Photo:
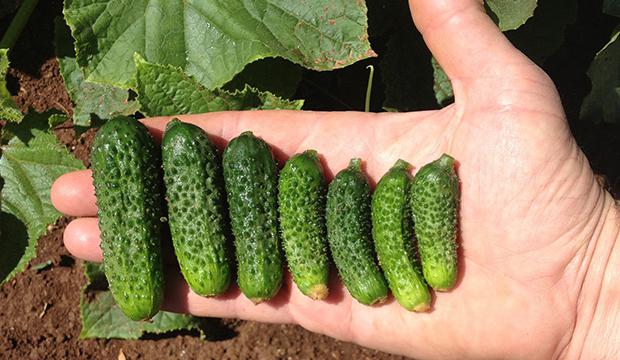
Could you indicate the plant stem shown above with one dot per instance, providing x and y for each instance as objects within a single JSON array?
[
  {"x": 369, "y": 88},
  {"x": 18, "y": 23}
]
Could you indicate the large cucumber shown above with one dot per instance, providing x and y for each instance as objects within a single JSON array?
[
  {"x": 349, "y": 235},
  {"x": 196, "y": 207},
  {"x": 392, "y": 230},
  {"x": 301, "y": 199},
  {"x": 250, "y": 174},
  {"x": 127, "y": 176},
  {"x": 434, "y": 203}
]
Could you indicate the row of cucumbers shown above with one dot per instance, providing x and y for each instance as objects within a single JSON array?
[{"x": 207, "y": 198}]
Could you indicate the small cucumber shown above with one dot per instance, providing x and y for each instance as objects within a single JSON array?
[
  {"x": 196, "y": 207},
  {"x": 392, "y": 230},
  {"x": 301, "y": 201},
  {"x": 126, "y": 168},
  {"x": 349, "y": 235},
  {"x": 434, "y": 204},
  {"x": 250, "y": 174}
]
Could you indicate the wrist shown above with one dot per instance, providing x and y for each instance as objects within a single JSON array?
[{"x": 597, "y": 325}]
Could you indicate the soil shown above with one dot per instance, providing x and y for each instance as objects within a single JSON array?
[{"x": 39, "y": 310}]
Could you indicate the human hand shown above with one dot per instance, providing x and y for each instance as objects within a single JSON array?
[{"x": 536, "y": 229}]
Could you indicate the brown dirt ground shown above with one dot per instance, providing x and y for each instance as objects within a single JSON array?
[{"x": 39, "y": 310}]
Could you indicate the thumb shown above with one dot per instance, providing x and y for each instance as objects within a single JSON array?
[{"x": 465, "y": 41}]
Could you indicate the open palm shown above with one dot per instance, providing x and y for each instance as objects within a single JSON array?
[{"x": 529, "y": 206}]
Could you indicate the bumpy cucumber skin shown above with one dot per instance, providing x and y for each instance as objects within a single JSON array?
[
  {"x": 349, "y": 235},
  {"x": 301, "y": 199},
  {"x": 250, "y": 174},
  {"x": 196, "y": 208},
  {"x": 126, "y": 168},
  {"x": 434, "y": 204},
  {"x": 392, "y": 230}
]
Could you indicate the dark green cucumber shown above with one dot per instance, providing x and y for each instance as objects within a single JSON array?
[
  {"x": 349, "y": 235},
  {"x": 126, "y": 168},
  {"x": 250, "y": 174},
  {"x": 434, "y": 204},
  {"x": 196, "y": 207},
  {"x": 392, "y": 230},
  {"x": 301, "y": 199}
]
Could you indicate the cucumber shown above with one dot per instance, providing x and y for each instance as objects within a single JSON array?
[
  {"x": 301, "y": 200},
  {"x": 126, "y": 169},
  {"x": 250, "y": 174},
  {"x": 349, "y": 235},
  {"x": 434, "y": 204},
  {"x": 196, "y": 208},
  {"x": 392, "y": 230}
]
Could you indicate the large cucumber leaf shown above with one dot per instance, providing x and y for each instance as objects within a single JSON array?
[
  {"x": 603, "y": 102},
  {"x": 611, "y": 7},
  {"x": 89, "y": 99},
  {"x": 214, "y": 40},
  {"x": 28, "y": 170},
  {"x": 8, "y": 109},
  {"x": 511, "y": 14},
  {"x": 102, "y": 318},
  {"x": 167, "y": 90}
]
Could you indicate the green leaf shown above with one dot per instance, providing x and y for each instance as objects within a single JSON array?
[
  {"x": 544, "y": 33},
  {"x": 29, "y": 169},
  {"x": 89, "y": 99},
  {"x": 8, "y": 110},
  {"x": 56, "y": 119},
  {"x": 603, "y": 102},
  {"x": 102, "y": 318},
  {"x": 34, "y": 121},
  {"x": 441, "y": 85},
  {"x": 167, "y": 90},
  {"x": 611, "y": 7},
  {"x": 260, "y": 75},
  {"x": 407, "y": 72},
  {"x": 511, "y": 14},
  {"x": 16, "y": 248},
  {"x": 214, "y": 40}
]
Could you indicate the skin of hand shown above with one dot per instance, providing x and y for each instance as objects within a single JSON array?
[{"x": 538, "y": 233}]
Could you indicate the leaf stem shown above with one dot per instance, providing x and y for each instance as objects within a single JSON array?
[
  {"x": 17, "y": 25},
  {"x": 369, "y": 88}
]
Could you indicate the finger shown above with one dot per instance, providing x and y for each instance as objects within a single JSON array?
[
  {"x": 81, "y": 238},
  {"x": 288, "y": 130},
  {"x": 336, "y": 136},
  {"x": 464, "y": 39},
  {"x": 73, "y": 194},
  {"x": 330, "y": 316},
  {"x": 339, "y": 316}
]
